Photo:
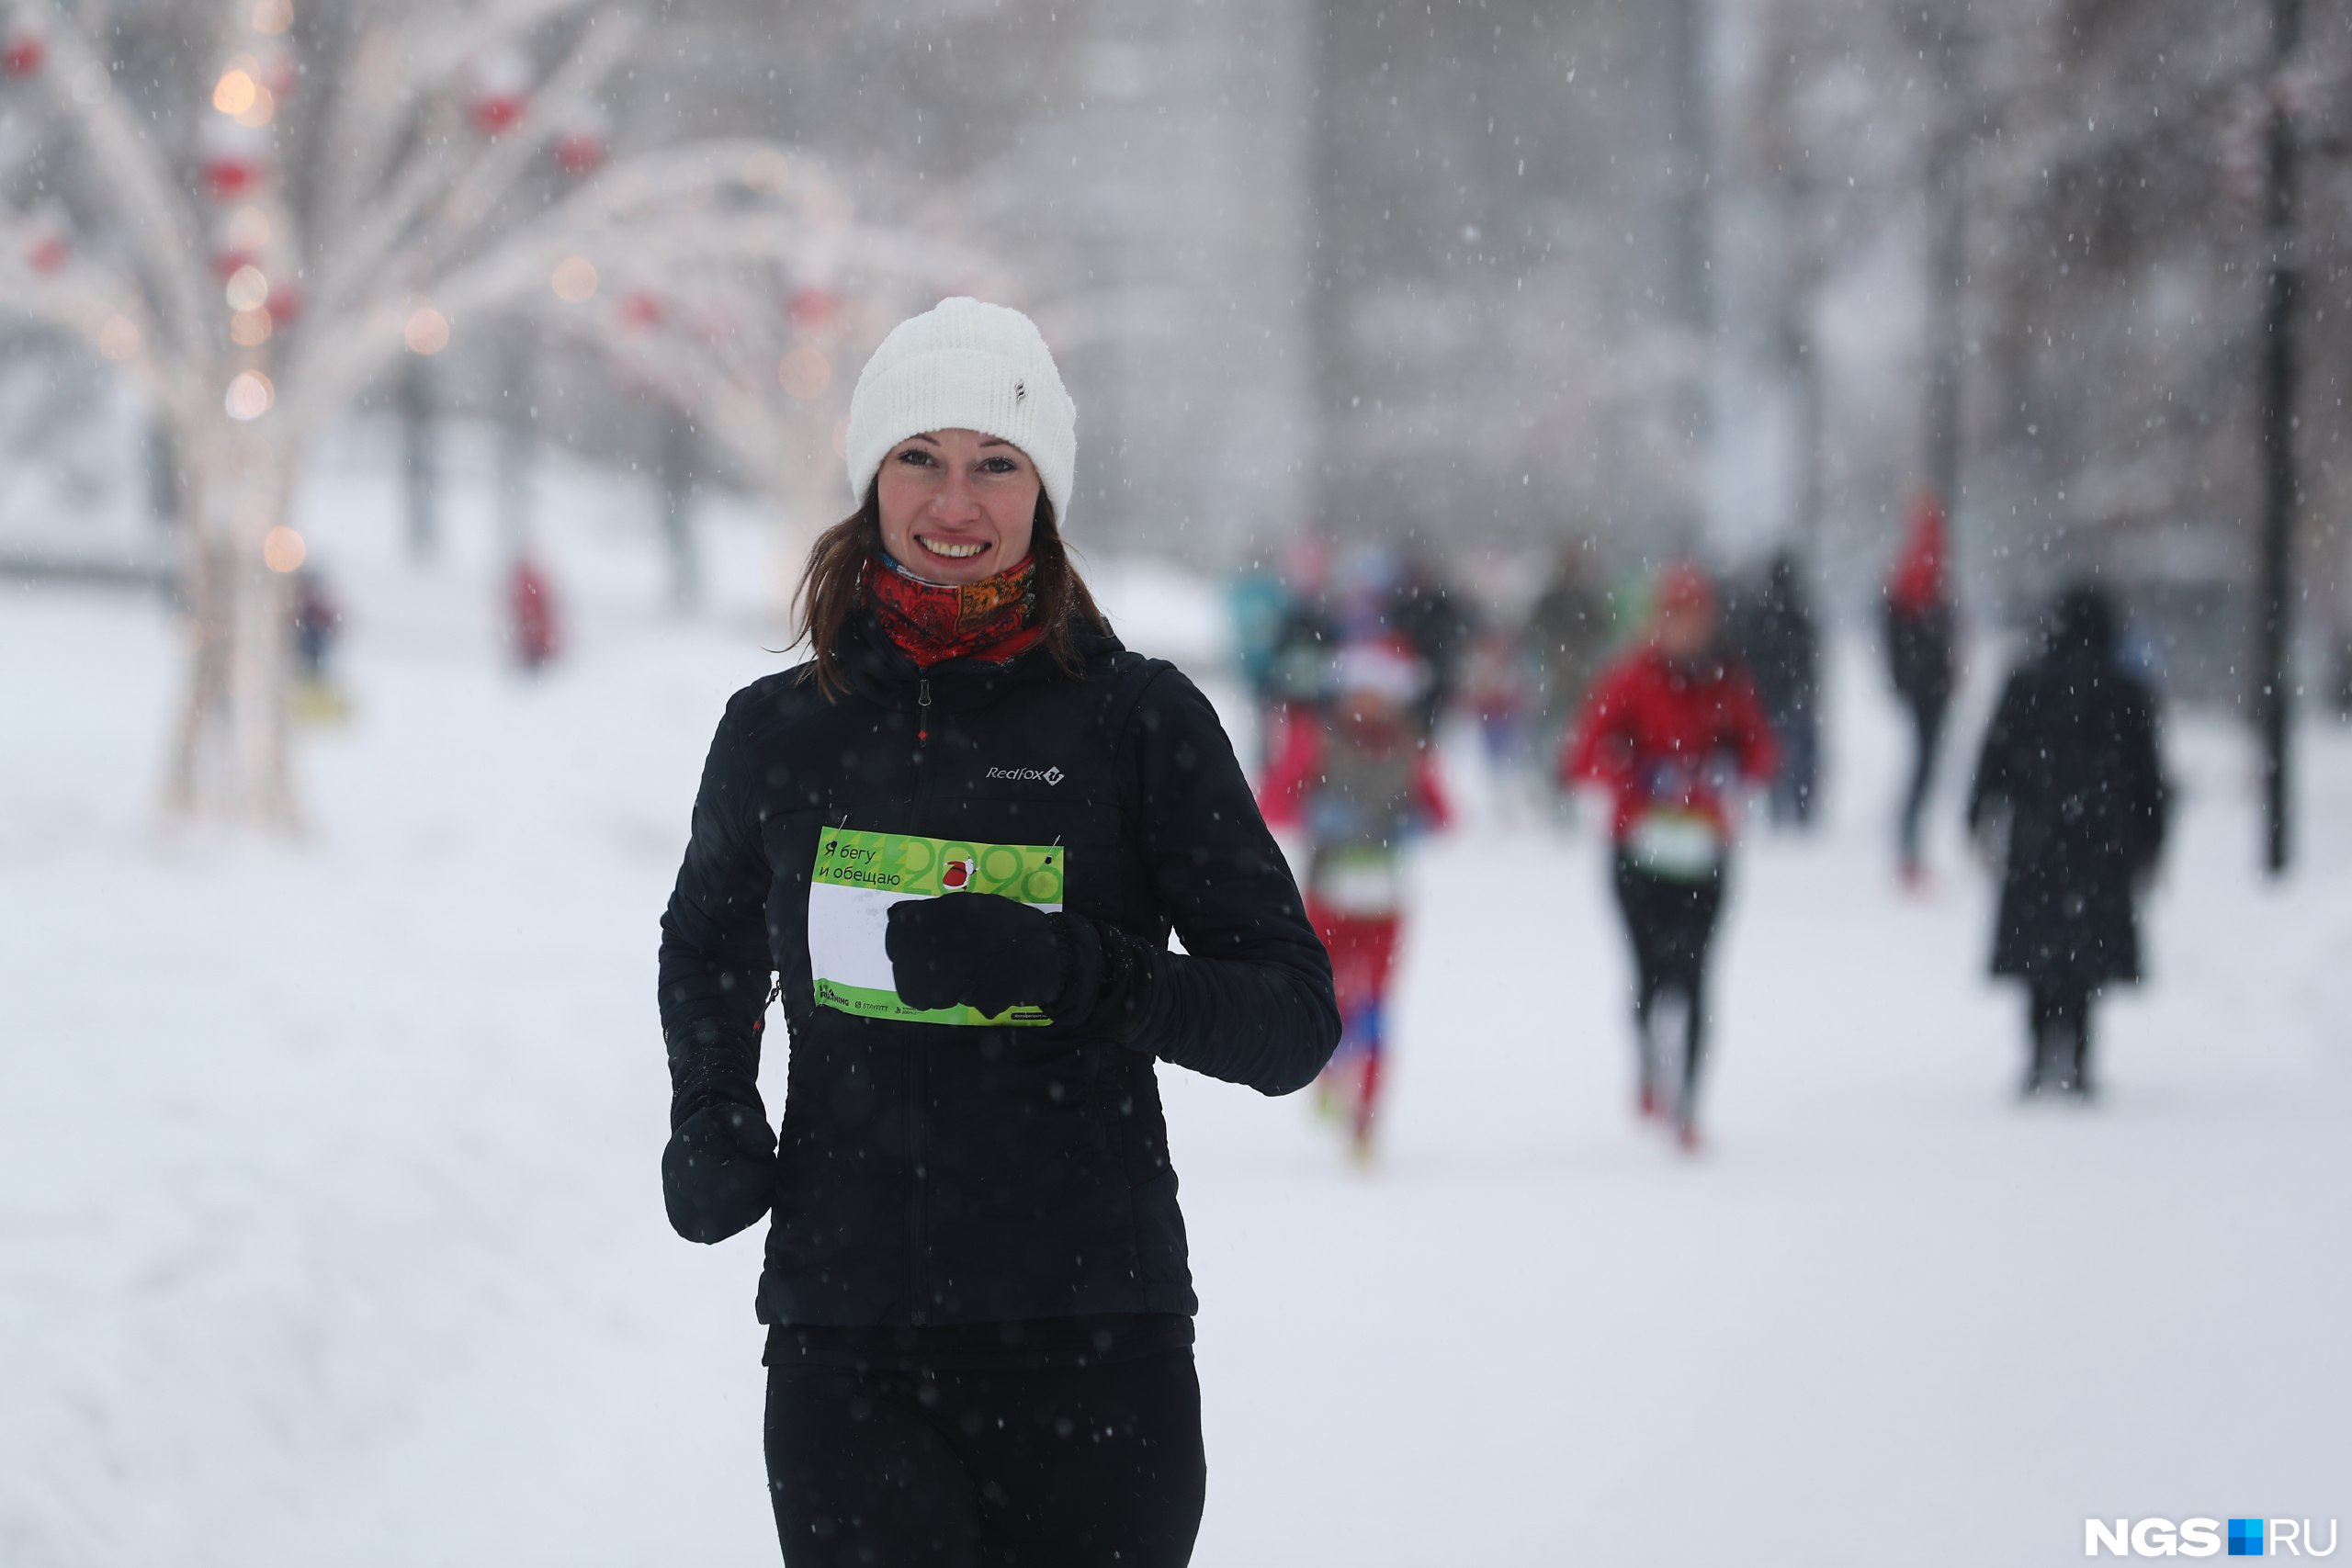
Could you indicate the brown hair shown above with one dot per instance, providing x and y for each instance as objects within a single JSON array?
[{"x": 832, "y": 585}]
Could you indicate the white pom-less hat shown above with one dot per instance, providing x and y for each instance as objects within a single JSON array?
[{"x": 963, "y": 365}]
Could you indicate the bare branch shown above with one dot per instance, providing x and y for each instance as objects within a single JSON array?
[
  {"x": 81, "y": 298},
  {"x": 141, "y": 187},
  {"x": 473, "y": 198},
  {"x": 399, "y": 241},
  {"x": 394, "y": 65}
]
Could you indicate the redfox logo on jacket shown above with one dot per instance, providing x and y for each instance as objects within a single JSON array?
[{"x": 1025, "y": 776}]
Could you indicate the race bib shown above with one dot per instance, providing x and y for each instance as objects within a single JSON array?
[
  {"x": 1686, "y": 846},
  {"x": 857, "y": 877},
  {"x": 1364, "y": 882}
]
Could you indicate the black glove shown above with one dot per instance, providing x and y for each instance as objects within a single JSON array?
[
  {"x": 978, "y": 950},
  {"x": 719, "y": 1172}
]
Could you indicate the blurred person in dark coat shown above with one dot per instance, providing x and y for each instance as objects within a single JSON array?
[
  {"x": 316, "y": 698},
  {"x": 1922, "y": 662},
  {"x": 1568, "y": 632},
  {"x": 2070, "y": 800},
  {"x": 316, "y": 622},
  {"x": 1431, "y": 617},
  {"x": 1775, "y": 635}
]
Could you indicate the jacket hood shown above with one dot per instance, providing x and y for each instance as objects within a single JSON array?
[
  {"x": 1918, "y": 581},
  {"x": 2083, "y": 625}
]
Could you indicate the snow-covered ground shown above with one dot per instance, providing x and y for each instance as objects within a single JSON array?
[{"x": 331, "y": 1233}]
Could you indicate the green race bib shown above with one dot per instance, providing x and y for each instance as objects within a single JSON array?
[{"x": 856, "y": 878}]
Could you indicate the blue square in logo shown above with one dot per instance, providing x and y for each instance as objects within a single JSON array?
[{"x": 2246, "y": 1538}]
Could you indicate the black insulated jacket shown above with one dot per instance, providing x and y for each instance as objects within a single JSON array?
[{"x": 938, "y": 1174}]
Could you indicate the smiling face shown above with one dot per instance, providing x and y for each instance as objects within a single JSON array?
[{"x": 956, "y": 505}]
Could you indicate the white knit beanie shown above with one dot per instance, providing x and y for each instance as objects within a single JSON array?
[{"x": 965, "y": 365}]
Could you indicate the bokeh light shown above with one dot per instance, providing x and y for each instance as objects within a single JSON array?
[
  {"x": 427, "y": 332},
  {"x": 283, "y": 549},
  {"x": 248, "y": 288},
  {"x": 119, "y": 338},
  {"x": 235, "y": 92},
  {"x": 250, "y": 396},
  {"x": 574, "y": 280},
  {"x": 805, "y": 373}
]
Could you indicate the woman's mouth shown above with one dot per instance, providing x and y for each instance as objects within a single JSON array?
[{"x": 952, "y": 549}]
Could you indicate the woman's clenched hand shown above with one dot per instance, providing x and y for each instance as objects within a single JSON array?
[
  {"x": 977, "y": 949},
  {"x": 718, "y": 1171}
]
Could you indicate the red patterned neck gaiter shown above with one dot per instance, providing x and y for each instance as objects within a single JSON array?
[{"x": 929, "y": 621}]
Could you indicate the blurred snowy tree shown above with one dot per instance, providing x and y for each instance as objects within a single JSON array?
[
  {"x": 2116, "y": 265},
  {"x": 2028, "y": 263},
  {"x": 257, "y": 210}
]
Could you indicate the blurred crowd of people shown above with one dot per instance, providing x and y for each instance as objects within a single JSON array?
[{"x": 1671, "y": 695}]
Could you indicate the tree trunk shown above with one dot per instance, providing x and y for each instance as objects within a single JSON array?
[
  {"x": 676, "y": 463},
  {"x": 420, "y": 458},
  {"x": 228, "y": 760}
]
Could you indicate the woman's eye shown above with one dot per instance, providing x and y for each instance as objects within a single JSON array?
[
  {"x": 998, "y": 465},
  {"x": 915, "y": 456}
]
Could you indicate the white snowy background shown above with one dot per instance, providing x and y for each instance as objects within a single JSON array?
[{"x": 331, "y": 1230}]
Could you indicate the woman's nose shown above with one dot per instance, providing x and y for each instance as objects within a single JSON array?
[{"x": 954, "y": 501}]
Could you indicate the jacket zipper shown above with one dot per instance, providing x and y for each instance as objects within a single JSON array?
[{"x": 916, "y": 1075}]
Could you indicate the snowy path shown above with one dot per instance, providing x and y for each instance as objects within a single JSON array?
[{"x": 330, "y": 1232}]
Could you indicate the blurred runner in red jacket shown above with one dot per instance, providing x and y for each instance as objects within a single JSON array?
[{"x": 1670, "y": 730}]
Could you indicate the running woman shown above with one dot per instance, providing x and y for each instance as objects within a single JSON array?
[
  {"x": 1669, "y": 731},
  {"x": 958, "y": 839}
]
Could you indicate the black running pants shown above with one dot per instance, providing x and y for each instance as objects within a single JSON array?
[
  {"x": 1926, "y": 735},
  {"x": 1671, "y": 923},
  {"x": 1075, "y": 1466}
]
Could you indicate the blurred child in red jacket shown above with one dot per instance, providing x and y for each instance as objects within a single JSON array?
[{"x": 1358, "y": 779}]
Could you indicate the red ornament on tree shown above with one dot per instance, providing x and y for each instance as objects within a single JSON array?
[
  {"x": 641, "y": 310},
  {"x": 228, "y": 178},
  {"x": 498, "y": 91},
  {"x": 582, "y": 144},
  {"x": 578, "y": 152},
  {"x": 813, "y": 306},
  {"x": 24, "y": 52},
  {"x": 46, "y": 252},
  {"x": 236, "y": 160}
]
